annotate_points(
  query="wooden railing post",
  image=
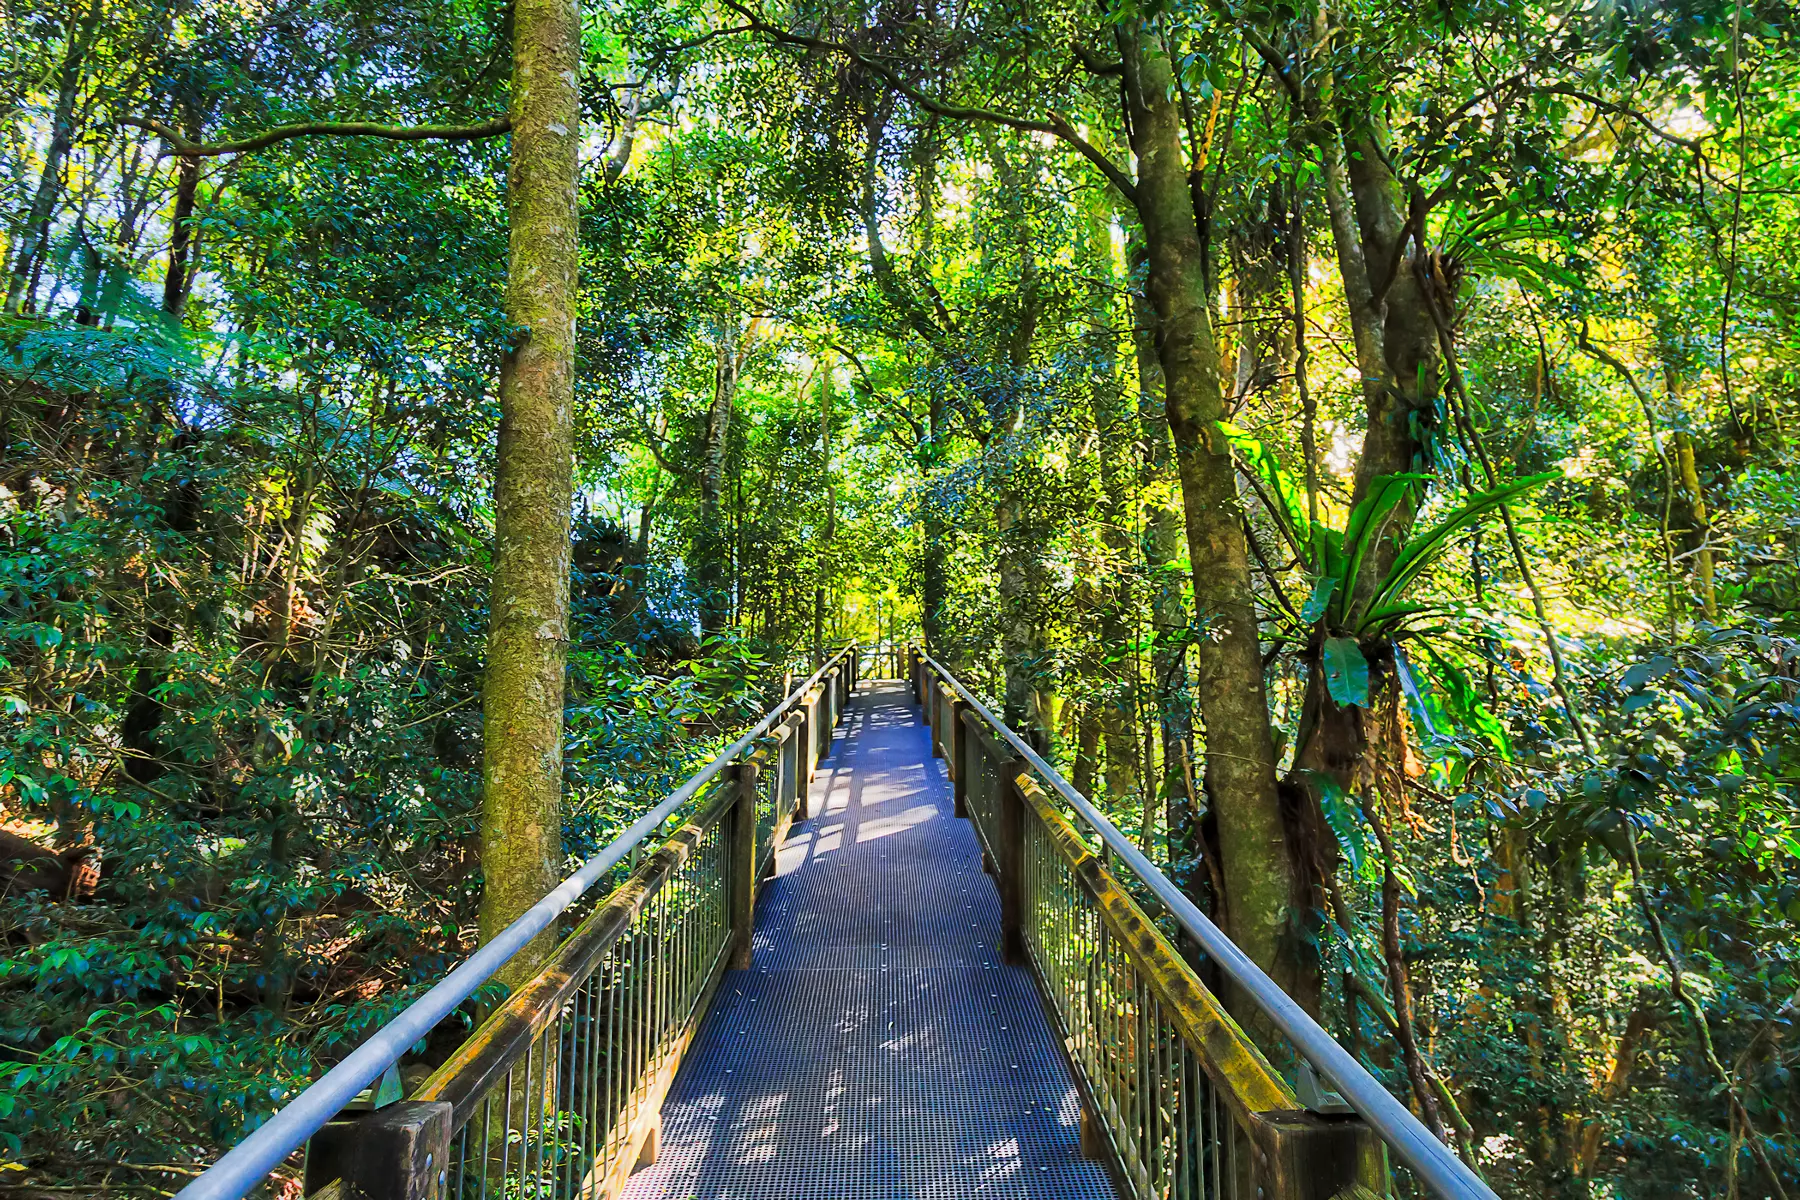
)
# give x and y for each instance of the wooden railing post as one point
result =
(742, 872)
(936, 704)
(1303, 1156)
(1009, 853)
(793, 763)
(960, 738)
(401, 1152)
(809, 745)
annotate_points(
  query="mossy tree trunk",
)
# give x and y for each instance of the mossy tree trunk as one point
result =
(521, 824)
(713, 570)
(1240, 753)
(1114, 445)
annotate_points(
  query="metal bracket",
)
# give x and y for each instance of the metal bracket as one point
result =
(1315, 1097)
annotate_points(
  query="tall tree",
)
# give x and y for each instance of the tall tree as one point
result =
(522, 698)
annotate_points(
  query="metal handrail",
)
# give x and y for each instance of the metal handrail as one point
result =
(1446, 1175)
(250, 1161)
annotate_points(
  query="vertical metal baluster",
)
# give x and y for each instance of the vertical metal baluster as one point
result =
(1165, 1070)
(1178, 1108)
(459, 1163)
(628, 1048)
(676, 974)
(560, 1127)
(506, 1131)
(614, 1017)
(531, 1147)
(1140, 1122)
(526, 1120)
(537, 1122)
(487, 1133)
(552, 1120)
(1167, 1076)
(1152, 1088)
(1228, 1131)
(640, 1018)
(1184, 1129)
(575, 1092)
(590, 1106)
(568, 1114)
(660, 981)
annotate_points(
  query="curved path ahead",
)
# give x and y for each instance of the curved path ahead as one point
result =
(877, 1048)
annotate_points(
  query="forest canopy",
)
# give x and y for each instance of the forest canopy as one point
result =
(1354, 441)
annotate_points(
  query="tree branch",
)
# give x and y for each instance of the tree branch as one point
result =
(1057, 126)
(183, 148)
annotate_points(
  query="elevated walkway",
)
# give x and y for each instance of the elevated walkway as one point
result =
(878, 947)
(877, 1047)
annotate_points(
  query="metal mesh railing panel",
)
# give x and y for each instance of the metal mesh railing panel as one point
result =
(565, 1115)
(1168, 1126)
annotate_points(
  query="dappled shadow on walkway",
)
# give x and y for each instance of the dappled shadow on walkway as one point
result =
(877, 1047)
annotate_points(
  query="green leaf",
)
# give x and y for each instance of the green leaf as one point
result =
(1369, 520)
(1346, 671)
(1463, 704)
(1319, 601)
(1286, 502)
(1644, 672)
(1421, 551)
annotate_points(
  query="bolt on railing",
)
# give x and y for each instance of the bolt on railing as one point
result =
(1174, 1092)
(559, 1092)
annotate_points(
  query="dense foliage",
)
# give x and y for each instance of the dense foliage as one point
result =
(881, 335)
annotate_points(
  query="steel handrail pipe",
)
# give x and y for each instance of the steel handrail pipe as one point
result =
(250, 1161)
(1437, 1167)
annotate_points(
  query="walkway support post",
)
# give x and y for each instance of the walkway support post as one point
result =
(1009, 853)
(935, 695)
(793, 763)
(742, 872)
(961, 760)
(400, 1152)
(1303, 1156)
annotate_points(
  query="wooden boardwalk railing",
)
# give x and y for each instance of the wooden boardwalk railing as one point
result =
(557, 1094)
(1184, 1101)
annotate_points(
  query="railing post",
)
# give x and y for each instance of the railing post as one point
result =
(1009, 851)
(809, 746)
(743, 864)
(1302, 1156)
(961, 739)
(401, 1152)
(793, 763)
(936, 705)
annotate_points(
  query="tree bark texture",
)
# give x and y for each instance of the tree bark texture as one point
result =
(1114, 439)
(1240, 753)
(522, 700)
(713, 569)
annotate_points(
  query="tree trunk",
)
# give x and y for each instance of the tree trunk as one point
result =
(1240, 754)
(522, 700)
(1701, 532)
(1168, 609)
(712, 570)
(35, 237)
(1114, 437)
(176, 279)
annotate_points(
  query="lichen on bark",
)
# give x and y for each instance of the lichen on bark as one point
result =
(521, 825)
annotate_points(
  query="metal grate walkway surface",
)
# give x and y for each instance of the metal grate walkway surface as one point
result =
(878, 1048)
